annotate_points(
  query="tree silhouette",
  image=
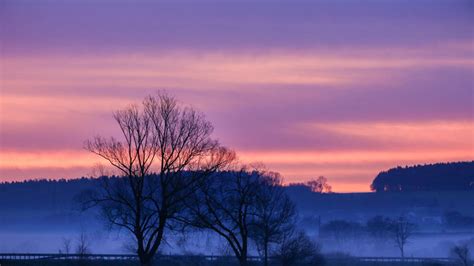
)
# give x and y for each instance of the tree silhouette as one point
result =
(296, 247)
(66, 246)
(341, 231)
(319, 185)
(440, 176)
(461, 253)
(379, 227)
(172, 140)
(401, 230)
(226, 206)
(274, 213)
(82, 248)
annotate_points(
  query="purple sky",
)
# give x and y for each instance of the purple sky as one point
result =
(336, 88)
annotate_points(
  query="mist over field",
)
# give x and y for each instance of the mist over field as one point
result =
(37, 217)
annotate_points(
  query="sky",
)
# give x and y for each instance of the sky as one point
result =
(343, 89)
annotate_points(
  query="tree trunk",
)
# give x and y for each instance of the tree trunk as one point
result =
(243, 254)
(147, 262)
(145, 259)
(243, 261)
(265, 256)
(242, 258)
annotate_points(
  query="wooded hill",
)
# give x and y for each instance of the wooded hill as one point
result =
(430, 177)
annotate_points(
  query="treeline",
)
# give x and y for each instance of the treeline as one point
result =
(50, 194)
(430, 177)
(398, 230)
(381, 229)
(380, 226)
(43, 194)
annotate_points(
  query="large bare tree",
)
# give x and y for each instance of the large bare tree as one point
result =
(165, 154)
(274, 213)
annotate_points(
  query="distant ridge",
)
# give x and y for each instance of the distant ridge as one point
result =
(429, 177)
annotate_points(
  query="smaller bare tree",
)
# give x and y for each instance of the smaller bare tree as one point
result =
(296, 247)
(82, 247)
(66, 246)
(319, 185)
(274, 213)
(378, 228)
(461, 252)
(402, 230)
(225, 204)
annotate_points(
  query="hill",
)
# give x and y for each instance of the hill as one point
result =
(36, 216)
(430, 177)
(55, 202)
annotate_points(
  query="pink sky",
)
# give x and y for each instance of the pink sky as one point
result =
(307, 89)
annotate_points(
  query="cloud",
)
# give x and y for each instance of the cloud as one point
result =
(219, 71)
(38, 159)
(408, 135)
(65, 99)
(53, 27)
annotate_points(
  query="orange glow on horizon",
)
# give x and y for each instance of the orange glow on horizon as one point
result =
(346, 170)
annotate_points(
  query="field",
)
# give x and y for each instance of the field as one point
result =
(202, 262)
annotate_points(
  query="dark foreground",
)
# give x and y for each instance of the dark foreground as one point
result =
(203, 261)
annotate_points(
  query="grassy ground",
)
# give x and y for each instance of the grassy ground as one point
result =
(65, 263)
(197, 262)
(181, 262)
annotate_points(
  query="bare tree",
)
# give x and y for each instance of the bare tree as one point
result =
(82, 247)
(297, 247)
(157, 136)
(226, 206)
(274, 213)
(402, 230)
(344, 233)
(379, 229)
(319, 185)
(66, 246)
(461, 252)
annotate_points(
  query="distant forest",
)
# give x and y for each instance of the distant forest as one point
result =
(430, 177)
